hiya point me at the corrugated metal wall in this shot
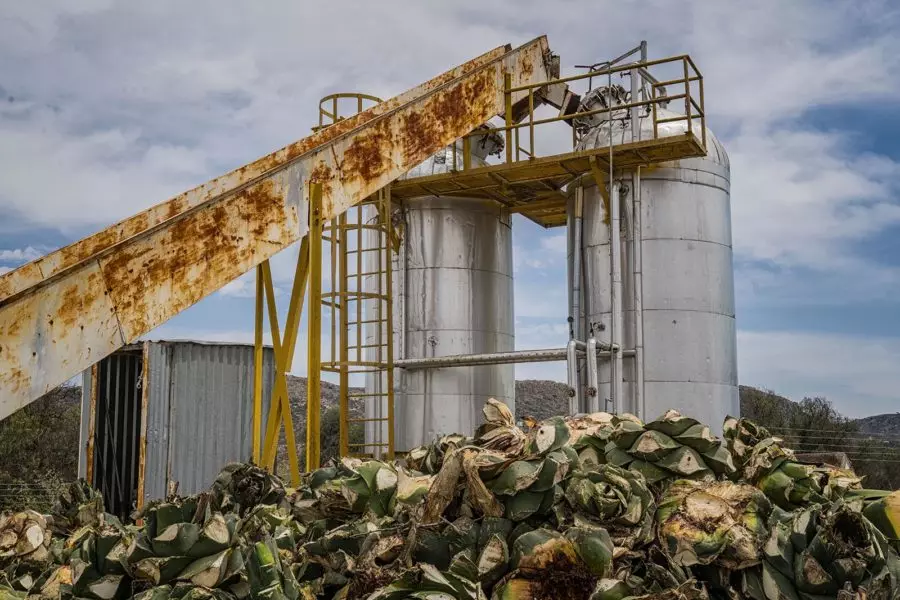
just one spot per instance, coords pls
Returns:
(157, 448)
(199, 415)
(211, 410)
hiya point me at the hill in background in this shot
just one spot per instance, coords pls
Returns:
(39, 444)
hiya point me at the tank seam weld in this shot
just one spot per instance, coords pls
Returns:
(413, 330)
(664, 239)
(461, 269)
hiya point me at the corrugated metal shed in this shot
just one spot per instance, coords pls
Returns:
(194, 415)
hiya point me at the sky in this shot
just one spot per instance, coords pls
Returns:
(108, 107)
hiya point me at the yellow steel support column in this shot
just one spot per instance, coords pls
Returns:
(258, 368)
(279, 411)
(314, 329)
(508, 112)
(340, 234)
(280, 395)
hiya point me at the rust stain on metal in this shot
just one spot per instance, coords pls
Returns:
(368, 155)
(201, 251)
(77, 302)
(323, 174)
(59, 329)
(462, 107)
(20, 279)
(526, 67)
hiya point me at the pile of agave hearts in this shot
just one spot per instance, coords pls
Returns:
(597, 506)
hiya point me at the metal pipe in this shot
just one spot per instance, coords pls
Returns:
(575, 309)
(593, 374)
(500, 358)
(616, 295)
(638, 278)
(627, 404)
(572, 372)
(635, 111)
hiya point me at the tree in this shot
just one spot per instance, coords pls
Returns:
(39, 448)
(813, 425)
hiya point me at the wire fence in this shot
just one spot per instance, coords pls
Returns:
(38, 496)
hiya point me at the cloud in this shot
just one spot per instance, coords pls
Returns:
(97, 177)
(20, 255)
(108, 107)
(858, 374)
(800, 198)
(242, 287)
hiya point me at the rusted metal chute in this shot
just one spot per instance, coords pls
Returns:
(67, 310)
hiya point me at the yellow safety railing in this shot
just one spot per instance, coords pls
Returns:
(689, 100)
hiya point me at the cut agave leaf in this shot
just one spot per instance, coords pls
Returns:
(552, 435)
(176, 539)
(625, 434)
(699, 438)
(683, 461)
(719, 459)
(672, 423)
(540, 549)
(652, 446)
(523, 505)
(519, 476)
(492, 561)
(595, 549)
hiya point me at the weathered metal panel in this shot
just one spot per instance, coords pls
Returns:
(51, 335)
(211, 409)
(156, 431)
(238, 221)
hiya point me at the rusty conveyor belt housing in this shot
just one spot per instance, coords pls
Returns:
(67, 310)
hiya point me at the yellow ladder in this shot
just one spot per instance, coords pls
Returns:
(361, 325)
(356, 302)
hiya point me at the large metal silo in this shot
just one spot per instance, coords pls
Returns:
(453, 294)
(688, 321)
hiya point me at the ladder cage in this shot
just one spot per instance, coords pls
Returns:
(357, 310)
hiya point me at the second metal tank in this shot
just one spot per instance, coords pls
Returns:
(689, 337)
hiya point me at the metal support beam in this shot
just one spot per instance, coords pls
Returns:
(258, 367)
(66, 311)
(280, 396)
(280, 408)
(314, 329)
(342, 238)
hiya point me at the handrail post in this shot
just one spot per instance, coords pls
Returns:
(687, 95)
(507, 99)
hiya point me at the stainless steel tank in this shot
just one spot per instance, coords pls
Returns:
(689, 337)
(453, 294)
